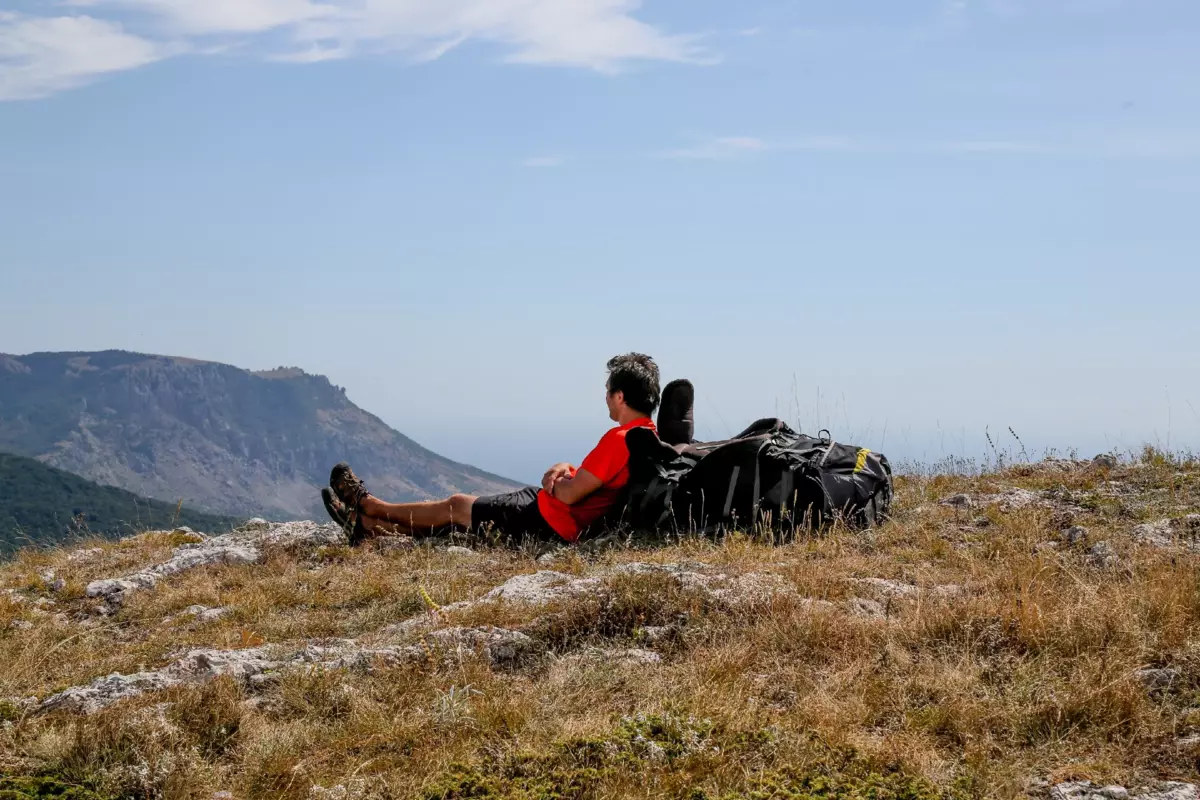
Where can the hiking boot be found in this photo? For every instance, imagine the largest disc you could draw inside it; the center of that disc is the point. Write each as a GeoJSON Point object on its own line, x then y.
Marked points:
{"type": "Point", "coordinates": [676, 425]}
{"type": "Point", "coordinates": [349, 521]}
{"type": "Point", "coordinates": [342, 498]}
{"type": "Point", "coordinates": [347, 487]}
{"type": "Point", "coordinates": [337, 511]}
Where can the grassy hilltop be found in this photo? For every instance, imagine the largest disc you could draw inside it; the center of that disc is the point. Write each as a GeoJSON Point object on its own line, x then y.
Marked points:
{"type": "Point", "coordinates": [1003, 634]}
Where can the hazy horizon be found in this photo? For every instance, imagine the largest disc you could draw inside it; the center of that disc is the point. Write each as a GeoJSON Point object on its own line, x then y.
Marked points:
{"type": "Point", "coordinates": [502, 447]}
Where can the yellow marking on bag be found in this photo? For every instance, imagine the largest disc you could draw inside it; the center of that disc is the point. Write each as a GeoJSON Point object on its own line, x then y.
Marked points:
{"type": "Point", "coordinates": [861, 463]}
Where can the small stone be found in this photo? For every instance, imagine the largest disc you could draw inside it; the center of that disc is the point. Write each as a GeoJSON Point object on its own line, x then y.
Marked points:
{"type": "Point", "coordinates": [862, 607]}
{"type": "Point", "coordinates": [1188, 525]}
{"type": "Point", "coordinates": [388, 544]}
{"type": "Point", "coordinates": [20, 625]}
{"type": "Point", "coordinates": [1170, 790]}
{"type": "Point", "coordinates": [1102, 555]}
{"type": "Point", "coordinates": [655, 633]}
{"type": "Point", "coordinates": [222, 796]}
{"type": "Point", "coordinates": [1014, 499]}
{"type": "Point", "coordinates": [13, 596]}
{"type": "Point", "coordinates": [52, 581]}
{"type": "Point", "coordinates": [888, 588]}
{"type": "Point", "coordinates": [205, 614]}
{"type": "Point", "coordinates": [1157, 678]}
{"type": "Point", "coordinates": [1155, 534]}
{"type": "Point", "coordinates": [254, 524]}
{"type": "Point", "coordinates": [456, 550]}
{"type": "Point", "coordinates": [634, 656]}
{"type": "Point", "coordinates": [79, 556]}
{"type": "Point", "coordinates": [1075, 534]}
{"type": "Point", "coordinates": [1105, 461]}
{"type": "Point", "coordinates": [960, 501]}
{"type": "Point", "coordinates": [1188, 742]}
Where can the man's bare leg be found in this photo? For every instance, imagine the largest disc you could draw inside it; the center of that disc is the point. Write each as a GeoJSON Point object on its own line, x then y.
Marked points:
{"type": "Point", "coordinates": [375, 527]}
{"type": "Point", "coordinates": [454, 510]}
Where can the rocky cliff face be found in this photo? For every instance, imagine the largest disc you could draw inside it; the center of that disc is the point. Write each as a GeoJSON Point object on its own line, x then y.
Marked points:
{"type": "Point", "coordinates": [218, 437]}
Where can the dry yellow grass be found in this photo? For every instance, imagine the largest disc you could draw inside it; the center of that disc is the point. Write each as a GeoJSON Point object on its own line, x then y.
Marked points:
{"type": "Point", "coordinates": [1029, 669]}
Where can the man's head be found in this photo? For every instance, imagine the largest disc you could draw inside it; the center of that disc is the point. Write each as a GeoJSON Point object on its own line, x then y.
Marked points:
{"type": "Point", "coordinates": [633, 389]}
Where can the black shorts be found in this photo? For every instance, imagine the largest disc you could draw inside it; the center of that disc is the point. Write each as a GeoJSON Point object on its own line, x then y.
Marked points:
{"type": "Point", "coordinates": [513, 514]}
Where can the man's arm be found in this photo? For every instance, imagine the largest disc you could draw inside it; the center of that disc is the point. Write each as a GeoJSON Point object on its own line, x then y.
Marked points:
{"type": "Point", "coordinates": [573, 490]}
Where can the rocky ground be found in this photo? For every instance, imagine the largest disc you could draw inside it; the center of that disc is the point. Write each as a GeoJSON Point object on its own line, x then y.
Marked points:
{"type": "Point", "coordinates": [1029, 633]}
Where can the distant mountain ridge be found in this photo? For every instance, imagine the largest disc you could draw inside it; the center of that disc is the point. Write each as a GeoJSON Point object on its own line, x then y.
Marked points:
{"type": "Point", "coordinates": [224, 439]}
{"type": "Point", "coordinates": [47, 506]}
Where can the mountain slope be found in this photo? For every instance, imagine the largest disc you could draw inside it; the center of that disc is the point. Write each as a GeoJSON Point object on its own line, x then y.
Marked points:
{"type": "Point", "coordinates": [221, 438]}
{"type": "Point", "coordinates": [43, 505]}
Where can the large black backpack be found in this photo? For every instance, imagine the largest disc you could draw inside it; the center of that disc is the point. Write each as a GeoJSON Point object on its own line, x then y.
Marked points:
{"type": "Point", "coordinates": [767, 476]}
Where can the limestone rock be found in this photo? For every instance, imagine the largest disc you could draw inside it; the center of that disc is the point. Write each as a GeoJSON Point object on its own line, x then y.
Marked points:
{"type": "Point", "coordinates": [500, 647]}
{"type": "Point", "coordinates": [1102, 556]}
{"type": "Point", "coordinates": [254, 666]}
{"type": "Point", "coordinates": [656, 633]}
{"type": "Point", "coordinates": [1086, 790]}
{"type": "Point", "coordinates": [245, 545]}
{"type": "Point", "coordinates": [85, 555]}
{"type": "Point", "coordinates": [1155, 534]}
{"type": "Point", "coordinates": [1157, 678]}
{"type": "Point", "coordinates": [389, 544]}
{"type": "Point", "coordinates": [53, 582]}
{"type": "Point", "coordinates": [960, 501]}
{"type": "Point", "coordinates": [1075, 534]}
{"type": "Point", "coordinates": [862, 607]}
{"type": "Point", "coordinates": [888, 588]}
{"type": "Point", "coordinates": [203, 613]}
{"type": "Point", "coordinates": [620, 657]}
{"type": "Point", "coordinates": [1188, 526]}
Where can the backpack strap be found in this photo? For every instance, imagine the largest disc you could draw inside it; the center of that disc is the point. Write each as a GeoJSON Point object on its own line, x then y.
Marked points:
{"type": "Point", "coordinates": [758, 479]}
{"type": "Point", "coordinates": [729, 495]}
{"type": "Point", "coordinates": [785, 491]}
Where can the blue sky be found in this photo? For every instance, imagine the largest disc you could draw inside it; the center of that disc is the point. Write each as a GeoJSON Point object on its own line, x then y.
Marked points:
{"type": "Point", "coordinates": [909, 222]}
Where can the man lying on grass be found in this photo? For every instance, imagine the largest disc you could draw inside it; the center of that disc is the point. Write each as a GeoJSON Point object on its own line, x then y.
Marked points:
{"type": "Point", "coordinates": [569, 500]}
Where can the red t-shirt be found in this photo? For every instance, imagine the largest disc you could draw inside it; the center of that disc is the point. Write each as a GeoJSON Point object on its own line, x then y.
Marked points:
{"type": "Point", "coordinates": [609, 462]}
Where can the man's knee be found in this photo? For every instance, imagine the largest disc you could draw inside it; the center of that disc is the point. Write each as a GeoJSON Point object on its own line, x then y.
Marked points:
{"type": "Point", "coordinates": [460, 506]}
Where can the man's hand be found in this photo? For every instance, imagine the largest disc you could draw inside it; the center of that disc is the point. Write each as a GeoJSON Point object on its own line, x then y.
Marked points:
{"type": "Point", "coordinates": [572, 490]}
{"type": "Point", "coordinates": [555, 474]}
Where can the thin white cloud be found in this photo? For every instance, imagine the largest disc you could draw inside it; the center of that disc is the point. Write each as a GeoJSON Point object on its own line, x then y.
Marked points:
{"type": "Point", "coordinates": [730, 148]}
{"type": "Point", "coordinates": [602, 35]}
{"type": "Point", "coordinates": [726, 148]}
{"type": "Point", "coordinates": [721, 148]}
{"type": "Point", "coordinates": [200, 17]}
{"type": "Point", "coordinates": [996, 146]}
{"type": "Point", "coordinates": [543, 162]}
{"type": "Point", "coordinates": [40, 56]}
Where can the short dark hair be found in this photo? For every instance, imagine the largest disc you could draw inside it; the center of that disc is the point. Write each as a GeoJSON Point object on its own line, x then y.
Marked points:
{"type": "Point", "coordinates": [636, 376]}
